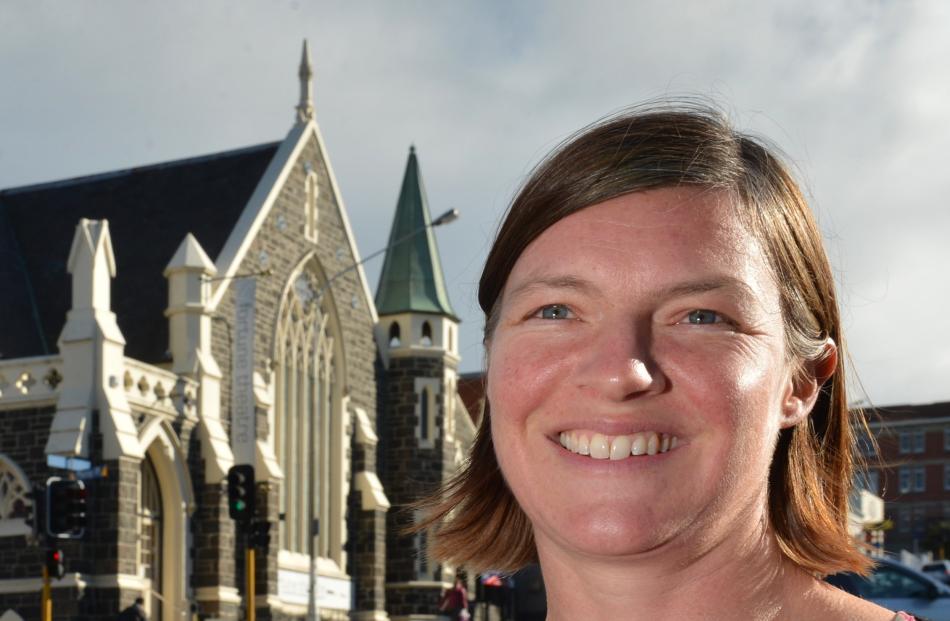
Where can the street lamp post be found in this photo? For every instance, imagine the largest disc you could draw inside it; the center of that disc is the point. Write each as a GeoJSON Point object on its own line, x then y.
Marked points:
{"type": "Point", "coordinates": [314, 507]}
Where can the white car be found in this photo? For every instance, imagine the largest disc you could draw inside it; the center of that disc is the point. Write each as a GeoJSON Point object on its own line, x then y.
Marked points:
{"type": "Point", "coordinates": [938, 570]}
{"type": "Point", "coordinates": [898, 587]}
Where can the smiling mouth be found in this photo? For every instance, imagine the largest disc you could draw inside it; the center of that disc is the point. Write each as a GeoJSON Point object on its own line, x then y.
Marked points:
{"type": "Point", "coordinates": [599, 446]}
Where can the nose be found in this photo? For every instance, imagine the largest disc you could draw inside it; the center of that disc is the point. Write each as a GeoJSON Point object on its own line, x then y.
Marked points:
{"type": "Point", "coordinates": [619, 366]}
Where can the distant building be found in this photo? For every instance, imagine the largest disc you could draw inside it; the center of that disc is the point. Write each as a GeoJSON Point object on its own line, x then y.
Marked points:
{"type": "Point", "coordinates": [912, 473]}
{"type": "Point", "coordinates": [171, 321]}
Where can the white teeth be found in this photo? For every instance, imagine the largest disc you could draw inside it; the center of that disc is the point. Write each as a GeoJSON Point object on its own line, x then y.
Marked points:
{"type": "Point", "coordinates": [599, 449]}
{"type": "Point", "coordinates": [600, 446]}
{"type": "Point", "coordinates": [639, 445]}
{"type": "Point", "coordinates": [583, 446]}
{"type": "Point", "coordinates": [620, 447]}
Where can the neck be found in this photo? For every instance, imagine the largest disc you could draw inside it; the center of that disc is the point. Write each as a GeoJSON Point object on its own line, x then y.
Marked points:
{"type": "Point", "coordinates": [739, 575]}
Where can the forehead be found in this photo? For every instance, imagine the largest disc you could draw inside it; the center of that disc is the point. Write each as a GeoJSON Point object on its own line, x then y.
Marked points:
{"type": "Point", "coordinates": [671, 228]}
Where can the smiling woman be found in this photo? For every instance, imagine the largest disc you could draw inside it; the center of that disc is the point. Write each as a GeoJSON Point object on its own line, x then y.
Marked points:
{"type": "Point", "coordinates": [665, 426]}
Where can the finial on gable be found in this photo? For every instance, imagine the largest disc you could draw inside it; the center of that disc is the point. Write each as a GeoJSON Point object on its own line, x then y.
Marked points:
{"type": "Point", "coordinates": [305, 107]}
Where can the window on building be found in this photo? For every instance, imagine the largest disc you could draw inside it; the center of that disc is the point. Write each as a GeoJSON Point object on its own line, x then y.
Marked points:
{"type": "Point", "coordinates": [311, 192]}
{"type": "Point", "coordinates": [903, 520]}
{"type": "Point", "coordinates": [394, 340]}
{"type": "Point", "coordinates": [424, 414]}
{"type": "Point", "coordinates": [308, 423]}
{"type": "Point", "coordinates": [912, 479]}
{"type": "Point", "coordinates": [867, 445]}
{"type": "Point", "coordinates": [426, 333]}
{"type": "Point", "coordinates": [911, 441]}
{"type": "Point", "coordinates": [427, 391]}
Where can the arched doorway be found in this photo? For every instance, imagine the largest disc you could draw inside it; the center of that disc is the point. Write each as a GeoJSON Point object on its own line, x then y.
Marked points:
{"type": "Point", "coordinates": [152, 535]}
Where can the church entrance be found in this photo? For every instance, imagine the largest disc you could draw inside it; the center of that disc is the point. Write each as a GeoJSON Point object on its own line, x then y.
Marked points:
{"type": "Point", "coordinates": [151, 535]}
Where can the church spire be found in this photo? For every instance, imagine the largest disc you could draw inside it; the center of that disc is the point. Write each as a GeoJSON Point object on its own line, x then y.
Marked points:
{"type": "Point", "coordinates": [411, 280]}
{"type": "Point", "coordinates": [305, 107]}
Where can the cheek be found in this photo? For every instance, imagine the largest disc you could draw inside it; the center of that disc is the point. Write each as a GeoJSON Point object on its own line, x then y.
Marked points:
{"type": "Point", "coordinates": [522, 375]}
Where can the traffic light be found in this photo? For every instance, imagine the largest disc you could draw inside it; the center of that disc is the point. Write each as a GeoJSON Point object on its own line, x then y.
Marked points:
{"type": "Point", "coordinates": [54, 563]}
{"type": "Point", "coordinates": [260, 535]}
{"type": "Point", "coordinates": [241, 492]}
{"type": "Point", "coordinates": [65, 508]}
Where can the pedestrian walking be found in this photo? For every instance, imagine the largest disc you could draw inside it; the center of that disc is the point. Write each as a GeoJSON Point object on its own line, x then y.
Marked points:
{"type": "Point", "coordinates": [135, 612]}
{"type": "Point", "coordinates": [454, 601]}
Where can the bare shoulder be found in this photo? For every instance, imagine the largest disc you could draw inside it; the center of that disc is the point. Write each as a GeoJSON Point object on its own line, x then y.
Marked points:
{"type": "Point", "coordinates": [832, 604]}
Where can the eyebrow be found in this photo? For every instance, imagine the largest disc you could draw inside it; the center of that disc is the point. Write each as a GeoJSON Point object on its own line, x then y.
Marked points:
{"type": "Point", "coordinates": [673, 291]}
{"type": "Point", "coordinates": [552, 282]}
{"type": "Point", "coordinates": [704, 286]}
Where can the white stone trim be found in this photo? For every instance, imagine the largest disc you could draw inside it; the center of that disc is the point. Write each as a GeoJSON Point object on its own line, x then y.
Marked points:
{"type": "Point", "coordinates": [15, 394]}
{"type": "Point", "coordinates": [372, 495]}
{"type": "Point", "coordinates": [341, 207]}
{"type": "Point", "coordinates": [225, 594]}
{"type": "Point", "coordinates": [365, 435]}
{"type": "Point", "coordinates": [75, 580]}
{"type": "Point", "coordinates": [365, 615]}
{"type": "Point", "coordinates": [255, 212]}
{"type": "Point", "coordinates": [261, 202]}
{"type": "Point", "coordinates": [419, 584]}
{"type": "Point", "coordinates": [10, 615]}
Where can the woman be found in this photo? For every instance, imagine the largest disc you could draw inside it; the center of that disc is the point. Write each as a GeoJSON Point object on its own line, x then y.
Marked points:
{"type": "Point", "coordinates": [666, 427]}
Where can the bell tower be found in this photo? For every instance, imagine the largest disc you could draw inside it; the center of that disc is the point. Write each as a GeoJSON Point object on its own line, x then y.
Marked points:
{"type": "Point", "coordinates": [417, 337]}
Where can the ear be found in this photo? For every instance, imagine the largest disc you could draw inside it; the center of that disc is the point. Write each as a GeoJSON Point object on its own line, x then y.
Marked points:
{"type": "Point", "coordinates": [804, 385]}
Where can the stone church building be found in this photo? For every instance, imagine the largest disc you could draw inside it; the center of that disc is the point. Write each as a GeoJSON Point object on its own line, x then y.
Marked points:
{"type": "Point", "coordinates": [166, 322]}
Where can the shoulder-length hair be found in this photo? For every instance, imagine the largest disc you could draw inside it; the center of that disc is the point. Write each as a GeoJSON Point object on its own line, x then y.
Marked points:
{"type": "Point", "coordinates": [476, 520]}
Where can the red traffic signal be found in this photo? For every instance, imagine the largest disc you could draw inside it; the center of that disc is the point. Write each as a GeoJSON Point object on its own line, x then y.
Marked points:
{"type": "Point", "coordinates": [54, 563]}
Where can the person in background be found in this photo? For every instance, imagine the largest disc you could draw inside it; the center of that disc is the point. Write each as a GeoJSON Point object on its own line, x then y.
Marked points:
{"type": "Point", "coordinates": [665, 428]}
{"type": "Point", "coordinates": [135, 612]}
{"type": "Point", "coordinates": [454, 601]}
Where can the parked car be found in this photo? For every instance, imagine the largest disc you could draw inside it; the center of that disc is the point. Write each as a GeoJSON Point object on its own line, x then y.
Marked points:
{"type": "Point", "coordinates": [898, 587]}
{"type": "Point", "coordinates": [938, 570]}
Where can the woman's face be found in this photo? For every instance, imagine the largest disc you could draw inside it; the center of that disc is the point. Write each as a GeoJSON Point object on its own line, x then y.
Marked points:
{"type": "Point", "coordinates": [645, 331]}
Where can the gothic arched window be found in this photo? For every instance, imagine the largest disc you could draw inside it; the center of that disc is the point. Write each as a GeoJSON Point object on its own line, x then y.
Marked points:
{"type": "Point", "coordinates": [394, 340]}
{"type": "Point", "coordinates": [14, 502]}
{"type": "Point", "coordinates": [426, 333]}
{"type": "Point", "coordinates": [308, 421]}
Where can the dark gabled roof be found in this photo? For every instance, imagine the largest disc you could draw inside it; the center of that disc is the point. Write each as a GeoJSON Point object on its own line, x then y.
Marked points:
{"type": "Point", "coordinates": [411, 279]}
{"type": "Point", "coordinates": [150, 209]}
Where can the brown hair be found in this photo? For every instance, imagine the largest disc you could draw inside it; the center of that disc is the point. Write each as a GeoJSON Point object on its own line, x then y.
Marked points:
{"type": "Point", "coordinates": [478, 521]}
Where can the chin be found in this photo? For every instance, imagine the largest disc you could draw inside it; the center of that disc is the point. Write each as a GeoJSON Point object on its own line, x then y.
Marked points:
{"type": "Point", "coordinates": [614, 532]}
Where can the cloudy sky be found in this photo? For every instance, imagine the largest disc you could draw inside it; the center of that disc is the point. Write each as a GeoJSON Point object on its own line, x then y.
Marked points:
{"type": "Point", "coordinates": [857, 93]}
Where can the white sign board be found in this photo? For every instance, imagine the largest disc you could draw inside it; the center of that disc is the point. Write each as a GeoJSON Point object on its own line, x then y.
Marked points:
{"type": "Point", "coordinates": [293, 587]}
{"type": "Point", "coordinates": [243, 428]}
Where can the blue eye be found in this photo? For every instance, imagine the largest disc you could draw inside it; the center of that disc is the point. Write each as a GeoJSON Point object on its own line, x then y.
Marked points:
{"type": "Point", "coordinates": [702, 316]}
{"type": "Point", "coordinates": [555, 311]}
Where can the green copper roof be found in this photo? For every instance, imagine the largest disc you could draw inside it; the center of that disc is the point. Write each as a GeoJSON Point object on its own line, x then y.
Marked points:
{"type": "Point", "coordinates": [411, 280]}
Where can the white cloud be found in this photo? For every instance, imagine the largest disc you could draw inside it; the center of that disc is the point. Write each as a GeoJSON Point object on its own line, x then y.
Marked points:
{"type": "Point", "coordinates": [855, 92]}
